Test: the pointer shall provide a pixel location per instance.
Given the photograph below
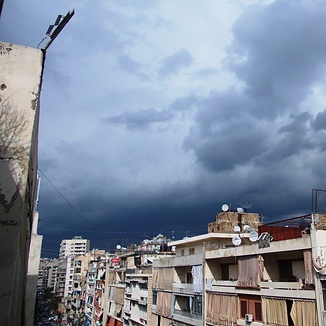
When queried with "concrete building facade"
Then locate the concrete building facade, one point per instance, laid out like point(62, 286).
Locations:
point(21, 79)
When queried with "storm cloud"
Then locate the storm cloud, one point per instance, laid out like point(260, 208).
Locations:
point(151, 120)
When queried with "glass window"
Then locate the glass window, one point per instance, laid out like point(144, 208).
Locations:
point(154, 297)
point(323, 284)
point(197, 305)
point(243, 308)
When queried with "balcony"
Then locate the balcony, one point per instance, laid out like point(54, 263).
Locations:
point(142, 301)
point(183, 288)
point(286, 290)
point(267, 288)
point(187, 317)
point(189, 260)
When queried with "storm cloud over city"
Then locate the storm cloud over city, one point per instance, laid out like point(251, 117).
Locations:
point(155, 113)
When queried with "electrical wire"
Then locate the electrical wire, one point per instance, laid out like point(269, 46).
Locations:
point(66, 200)
point(123, 232)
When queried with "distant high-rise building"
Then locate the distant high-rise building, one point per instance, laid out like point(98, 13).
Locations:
point(74, 247)
point(69, 249)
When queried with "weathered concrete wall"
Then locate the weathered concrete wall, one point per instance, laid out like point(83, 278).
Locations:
point(20, 81)
point(32, 272)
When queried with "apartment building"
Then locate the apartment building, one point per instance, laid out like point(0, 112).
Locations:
point(79, 282)
point(137, 310)
point(118, 286)
point(240, 273)
point(69, 249)
point(250, 282)
point(73, 247)
point(178, 281)
point(47, 273)
point(137, 298)
point(244, 273)
point(95, 289)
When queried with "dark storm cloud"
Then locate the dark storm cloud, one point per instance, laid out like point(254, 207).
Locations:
point(225, 135)
point(319, 123)
point(141, 118)
point(278, 54)
point(126, 219)
point(198, 143)
point(177, 61)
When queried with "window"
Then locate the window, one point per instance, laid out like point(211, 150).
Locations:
point(225, 272)
point(182, 304)
point(323, 284)
point(154, 297)
point(258, 311)
point(197, 305)
point(243, 307)
point(189, 279)
point(285, 271)
point(251, 304)
point(191, 251)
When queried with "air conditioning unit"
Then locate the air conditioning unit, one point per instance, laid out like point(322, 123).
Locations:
point(249, 318)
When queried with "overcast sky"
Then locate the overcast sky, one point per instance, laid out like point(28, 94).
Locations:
point(155, 113)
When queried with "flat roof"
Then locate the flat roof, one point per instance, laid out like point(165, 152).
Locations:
point(207, 236)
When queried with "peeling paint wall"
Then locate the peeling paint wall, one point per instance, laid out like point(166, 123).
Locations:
point(20, 82)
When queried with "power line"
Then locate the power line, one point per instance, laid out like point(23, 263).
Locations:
point(123, 232)
point(66, 200)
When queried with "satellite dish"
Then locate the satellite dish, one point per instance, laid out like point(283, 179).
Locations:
point(225, 207)
point(253, 236)
point(246, 228)
point(245, 205)
point(240, 210)
point(237, 228)
point(118, 247)
point(236, 241)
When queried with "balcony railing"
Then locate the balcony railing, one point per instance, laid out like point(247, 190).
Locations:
point(185, 316)
point(266, 288)
point(286, 290)
point(183, 288)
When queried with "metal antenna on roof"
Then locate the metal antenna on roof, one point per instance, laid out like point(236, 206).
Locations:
point(245, 205)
